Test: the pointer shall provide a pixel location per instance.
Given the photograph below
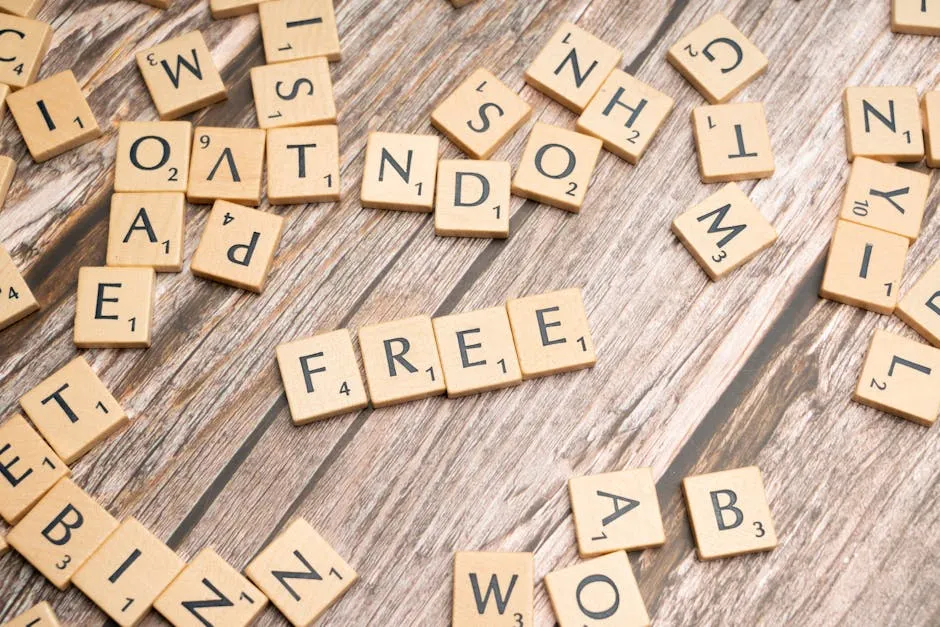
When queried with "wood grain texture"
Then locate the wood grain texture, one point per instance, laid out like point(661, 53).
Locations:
point(692, 376)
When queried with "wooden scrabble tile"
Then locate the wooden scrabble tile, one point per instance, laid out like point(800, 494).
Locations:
point(625, 114)
point(226, 165)
point(321, 377)
point(724, 231)
point(481, 114)
point(37, 616)
point(293, 94)
point(556, 167)
point(732, 142)
point(930, 109)
point(883, 123)
point(917, 17)
point(473, 198)
point(24, 8)
point(147, 229)
point(303, 165)
point(477, 351)
point(717, 59)
point(153, 156)
point(181, 76)
point(401, 361)
point(298, 29)
point(616, 511)
point(230, 8)
point(128, 572)
point(28, 468)
point(7, 170)
point(729, 514)
point(210, 592)
point(551, 333)
point(53, 116)
point(73, 410)
point(4, 92)
point(886, 197)
point(864, 268)
point(400, 171)
point(572, 66)
point(493, 589)
point(62, 531)
point(920, 307)
point(901, 377)
point(114, 307)
point(24, 48)
point(599, 591)
point(301, 573)
point(238, 246)
point(16, 301)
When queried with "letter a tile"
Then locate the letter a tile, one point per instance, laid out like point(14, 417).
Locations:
point(920, 307)
point(28, 468)
point(181, 76)
point(493, 589)
point(153, 156)
point(401, 361)
point(227, 164)
point(37, 616)
point(400, 172)
point(601, 591)
point(114, 307)
point(147, 229)
point(16, 300)
point(883, 123)
point(732, 142)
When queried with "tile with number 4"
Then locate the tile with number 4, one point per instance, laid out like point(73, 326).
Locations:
point(493, 589)
point(920, 307)
point(153, 156)
point(599, 591)
point(472, 198)
point(299, 29)
point(886, 197)
point(292, 94)
point(303, 165)
point(181, 76)
point(917, 17)
point(556, 167)
point(401, 361)
point(883, 123)
point(16, 299)
point(226, 164)
point(732, 142)
point(24, 48)
point(37, 616)
point(30, 468)
point(147, 230)
point(551, 333)
point(114, 307)
point(400, 172)
point(477, 351)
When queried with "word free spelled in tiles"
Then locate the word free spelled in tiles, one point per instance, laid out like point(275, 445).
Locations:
point(473, 198)
point(292, 94)
point(114, 307)
point(37, 616)
point(920, 307)
point(16, 299)
point(226, 164)
point(24, 48)
point(401, 361)
point(298, 29)
point(732, 142)
point(883, 123)
point(556, 167)
point(493, 589)
point(181, 76)
point(146, 229)
point(600, 591)
point(400, 172)
point(551, 333)
point(153, 156)
point(886, 197)
point(28, 468)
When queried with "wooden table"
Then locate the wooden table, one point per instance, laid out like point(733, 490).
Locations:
point(692, 376)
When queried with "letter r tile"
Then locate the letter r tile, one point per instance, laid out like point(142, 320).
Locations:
point(401, 361)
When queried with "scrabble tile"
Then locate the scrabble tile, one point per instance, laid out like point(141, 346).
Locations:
point(732, 142)
point(480, 114)
point(616, 511)
point(62, 531)
point(37, 616)
point(53, 116)
point(24, 8)
point(572, 66)
point(400, 171)
point(717, 59)
point(128, 572)
point(901, 377)
point(303, 165)
point(729, 514)
point(625, 114)
point(237, 246)
point(883, 123)
point(147, 229)
point(930, 109)
point(24, 48)
point(226, 165)
point(724, 231)
point(599, 591)
point(210, 592)
point(4, 92)
point(321, 377)
point(230, 8)
point(401, 361)
point(886, 197)
point(298, 29)
point(153, 156)
point(864, 267)
point(16, 301)
point(73, 410)
point(556, 167)
point(114, 307)
point(181, 76)
point(301, 573)
point(493, 589)
point(917, 17)
point(7, 170)
point(473, 198)
point(551, 333)
point(920, 307)
point(477, 351)
point(28, 468)
point(293, 94)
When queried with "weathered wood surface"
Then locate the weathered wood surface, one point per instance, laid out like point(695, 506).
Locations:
point(692, 376)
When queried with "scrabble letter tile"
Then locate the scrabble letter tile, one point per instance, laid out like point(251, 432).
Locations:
point(551, 333)
point(902, 377)
point(930, 108)
point(864, 267)
point(147, 230)
point(572, 66)
point(886, 197)
point(128, 572)
point(917, 17)
point(114, 307)
point(493, 589)
point(477, 351)
point(717, 59)
point(24, 8)
point(28, 468)
point(16, 301)
point(37, 616)
point(61, 532)
point(292, 94)
point(321, 377)
point(920, 307)
point(301, 573)
point(181, 76)
point(883, 123)
point(153, 156)
point(599, 591)
point(729, 513)
point(473, 198)
point(230, 8)
point(298, 29)
point(73, 410)
point(23, 45)
point(616, 511)
point(401, 361)
point(732, 142)
point(724, 231)
point(481, 114)
point(226, 165)
point(303, 165)
point(400, 171)
point(556, 167)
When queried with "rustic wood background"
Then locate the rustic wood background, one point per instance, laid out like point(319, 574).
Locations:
point(692, 376)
